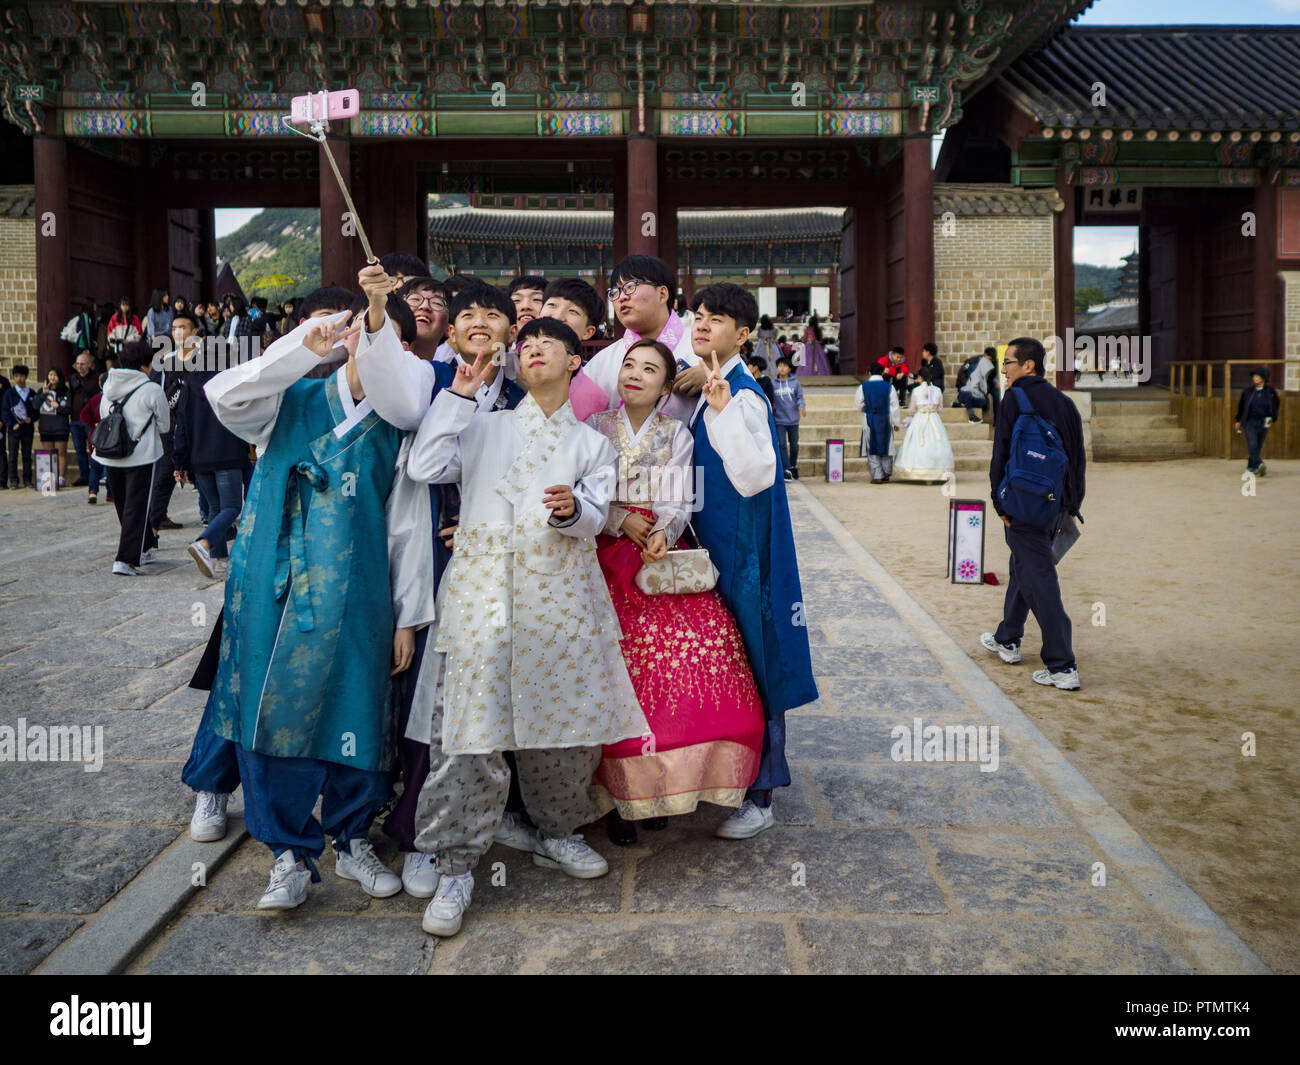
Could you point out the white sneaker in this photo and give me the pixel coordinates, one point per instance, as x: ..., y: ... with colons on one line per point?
x: 288, y: 886
x: 220, y: 568
x: 748, y: 821
x: 1067, y: 680
x: 1008, y: 652
x: 512, y: 832
x: 419, y: 875
x: 360, y: 863
x: 125, y: 569
x: 209, y: 820
x: 202, y: 558
x: 148, y: 556
x: 570, y: 854
x: 443, y: 914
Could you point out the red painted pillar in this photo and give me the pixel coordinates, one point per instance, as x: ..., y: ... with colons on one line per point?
x: 335, y: 250
x: 918, y: 244
x: 1266, y: 341
x: 1063, y: 275
x: 410, y: 218
x: 53, y: 223
x: 642, y: 177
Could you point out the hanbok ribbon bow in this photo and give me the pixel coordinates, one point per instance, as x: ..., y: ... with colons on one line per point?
x: 292, y: 565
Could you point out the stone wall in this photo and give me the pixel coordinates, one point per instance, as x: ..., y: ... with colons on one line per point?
x: 17, y: 276
x: 1291, y: 334
x: 993, y: 280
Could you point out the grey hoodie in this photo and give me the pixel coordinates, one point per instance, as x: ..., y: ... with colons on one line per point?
x: 148, y: 401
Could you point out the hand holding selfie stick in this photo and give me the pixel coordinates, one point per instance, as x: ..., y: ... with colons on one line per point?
x: 316, y: 109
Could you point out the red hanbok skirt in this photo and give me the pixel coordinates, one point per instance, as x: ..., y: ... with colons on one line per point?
x: 692, y: 678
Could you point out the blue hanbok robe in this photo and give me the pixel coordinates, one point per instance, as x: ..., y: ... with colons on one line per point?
x: 877, y: 433
x: 751, y: 542
x: 308, y: 626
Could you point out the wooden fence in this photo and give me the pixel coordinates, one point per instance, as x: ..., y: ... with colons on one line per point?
x: 1203, y: 398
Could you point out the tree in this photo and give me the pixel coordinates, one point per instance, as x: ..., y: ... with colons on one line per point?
x: 1087, y: 296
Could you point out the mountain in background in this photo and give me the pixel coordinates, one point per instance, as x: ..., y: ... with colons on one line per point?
x: 276, y: 253
x: 1094, y: 284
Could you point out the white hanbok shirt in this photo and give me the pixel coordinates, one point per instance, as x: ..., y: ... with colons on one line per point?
x: 740, y: 435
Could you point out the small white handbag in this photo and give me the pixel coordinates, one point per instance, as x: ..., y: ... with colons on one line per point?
x: 678, y: 573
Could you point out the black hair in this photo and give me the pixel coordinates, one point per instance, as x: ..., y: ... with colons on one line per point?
x: 127, y: 301
x: 931, y: 347
x: 20, y: 368
x: 643, y: 268
x: 992, y: 353
x: 185, y: 304
x: 259, y: 302
x: 527, y: 281
x: 423, y: 284
x: 897, y: 349
x: 783, y: 361
x: 481, y: 295
x: 135, y: 354
x: 400, y: 262
x: 460, y: 282
x: 664, y: 352
x: 402, y: 317
x: 758, y: 362
x: 186, y: 316
x: 553, y: 328
x: 1031, y: 349
x: 576, y: 290
x: 63, y: 381
x: 237, y: 305
x: 325, y: 298
x: 156, y: 299
x: 732, y: 300
x: 765, y: 322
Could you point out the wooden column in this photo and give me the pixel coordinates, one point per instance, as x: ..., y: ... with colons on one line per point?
x: 642, y: 197
x: 1267, y: 342
x: 335, y: 250
x: 53, y: 222
x: 410, y: 224
x: 207, y: 253
x: 667, y: 226
x: 1063, y: 278
x: 918, y: 225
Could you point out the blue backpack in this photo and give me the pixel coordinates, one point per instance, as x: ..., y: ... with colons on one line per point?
x: 1033, y: 485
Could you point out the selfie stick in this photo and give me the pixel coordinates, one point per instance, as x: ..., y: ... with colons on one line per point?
x: 345, y: 104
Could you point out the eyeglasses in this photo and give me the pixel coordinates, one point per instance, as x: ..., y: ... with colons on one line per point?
x: 414, y: 299
x: 625, y: 289
x: 1010, y: 362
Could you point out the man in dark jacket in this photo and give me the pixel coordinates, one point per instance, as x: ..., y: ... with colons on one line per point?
x: 1256, y: 411
x: 83, y: 384
x: 171, y: 375
x: 1032, y: 584
x: 931, y: 369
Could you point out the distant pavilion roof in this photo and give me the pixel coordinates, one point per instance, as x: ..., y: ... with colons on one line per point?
x: 1163, y: 78
x: 505, y: 226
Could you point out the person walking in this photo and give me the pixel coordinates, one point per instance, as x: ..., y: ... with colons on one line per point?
x: 89, y: 418
x: 170, y: 374
x: 1256, y: 411
x: 1020, y: 502
x: 83, y: 384
x: 130, y: 477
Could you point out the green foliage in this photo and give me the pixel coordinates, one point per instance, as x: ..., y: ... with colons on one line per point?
x: 1087, y: 297
x: 276, y: 243
x: 1087, y: 276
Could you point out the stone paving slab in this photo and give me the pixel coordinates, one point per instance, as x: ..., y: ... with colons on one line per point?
x: 873, y: 865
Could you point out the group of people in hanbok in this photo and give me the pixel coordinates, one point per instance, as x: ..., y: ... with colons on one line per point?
x: 495, y: 590
x: 925, y: 454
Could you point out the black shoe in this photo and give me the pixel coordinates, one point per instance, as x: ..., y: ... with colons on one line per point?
x: 655, y: 824
x: 3, y: 487
x: 796, y: 475
x: 80, y: 482
x: 230, y: 533
x: 621, y: 833
x: 167, y: 523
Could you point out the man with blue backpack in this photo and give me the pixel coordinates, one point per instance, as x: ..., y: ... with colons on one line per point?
x: 1037, y: 475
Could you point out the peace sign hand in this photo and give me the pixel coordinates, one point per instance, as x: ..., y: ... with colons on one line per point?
x: 324, y: 336
x: 716, y: 389
x: 469, y: 379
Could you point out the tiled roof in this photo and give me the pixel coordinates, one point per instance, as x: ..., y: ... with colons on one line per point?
x: 994, y: 199
x: 17, y: 201
x: 1163, y: 77
x: 1122, y: 318
x: 499, y: 225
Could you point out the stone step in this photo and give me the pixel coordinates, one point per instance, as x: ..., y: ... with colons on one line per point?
x: 1124, y: 408
x: 959, y: 431
x: 1103, y: 420
x: 1142, y: 452
x: 1124, y: 435
x: 855, y: 467
x: 809, y: 449
x: 846, y: 412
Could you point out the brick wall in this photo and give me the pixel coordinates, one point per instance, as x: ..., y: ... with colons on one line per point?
x: 17, y: 283
x: 992, y: 282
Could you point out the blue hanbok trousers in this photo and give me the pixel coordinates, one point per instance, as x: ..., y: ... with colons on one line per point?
x: 773, y: 771
x: 280, y: 799
x: 212, y: 765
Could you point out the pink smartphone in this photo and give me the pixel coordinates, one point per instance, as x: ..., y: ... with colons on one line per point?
x: 346, y: 103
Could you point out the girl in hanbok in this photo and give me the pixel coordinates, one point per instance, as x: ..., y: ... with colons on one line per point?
x: 815, y: 363
x: 765, y: 345
x: 925, y: 454
x: 683, y: 652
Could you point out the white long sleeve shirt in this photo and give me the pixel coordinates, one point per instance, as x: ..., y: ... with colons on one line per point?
x: 739, y: 434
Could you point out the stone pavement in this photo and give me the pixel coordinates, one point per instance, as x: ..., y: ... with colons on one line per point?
x: 875, y: 865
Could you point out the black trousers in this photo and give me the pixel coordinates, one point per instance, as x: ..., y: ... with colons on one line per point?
x: 1032, y: 586
x: 163, y: 483
x: 20, y: 439
x: 132, y: 488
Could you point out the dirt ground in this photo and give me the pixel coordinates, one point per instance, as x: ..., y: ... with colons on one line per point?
x: 1200, y: 586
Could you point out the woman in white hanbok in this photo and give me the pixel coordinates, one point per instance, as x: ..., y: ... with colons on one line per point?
x: 925, y: 454
x: 765, y: 345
